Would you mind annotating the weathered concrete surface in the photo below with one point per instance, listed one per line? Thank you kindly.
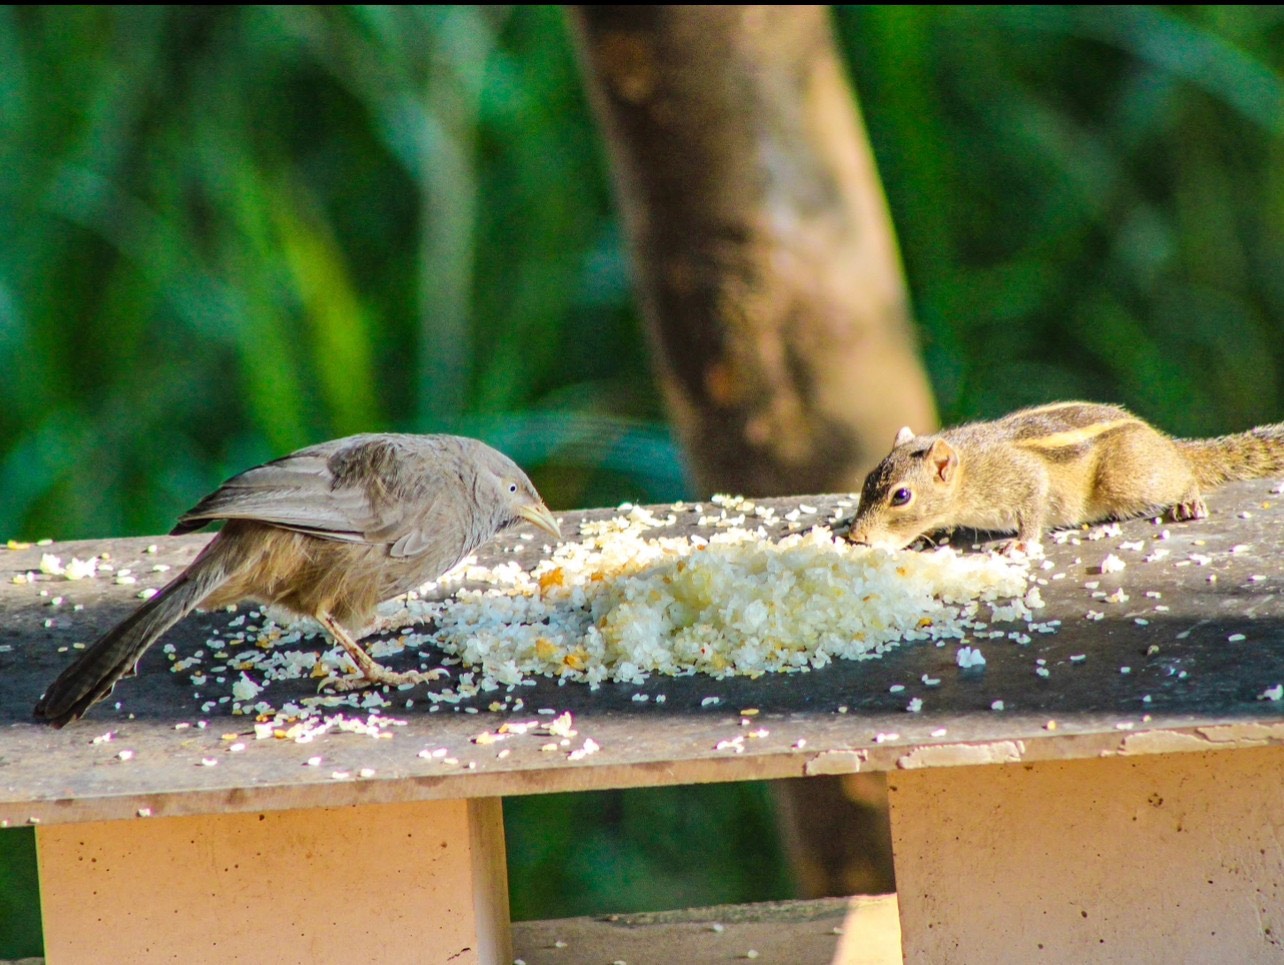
(1193, 684)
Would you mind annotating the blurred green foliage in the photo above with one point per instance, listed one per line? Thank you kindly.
(227, 232)
(649, 849)
(1090, 202)
(19, 902)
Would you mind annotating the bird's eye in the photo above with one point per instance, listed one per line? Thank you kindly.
(901, 497)
(512, 488)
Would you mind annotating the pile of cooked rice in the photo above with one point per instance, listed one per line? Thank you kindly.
(624, 602)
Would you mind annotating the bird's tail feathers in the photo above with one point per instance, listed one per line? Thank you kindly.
(113, 655)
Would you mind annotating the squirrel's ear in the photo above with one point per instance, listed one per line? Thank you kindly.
(944, 459)
(905, 435)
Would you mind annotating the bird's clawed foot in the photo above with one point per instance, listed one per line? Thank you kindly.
(371, 673)
(376, 675)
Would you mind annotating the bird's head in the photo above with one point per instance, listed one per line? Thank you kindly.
(514, 493)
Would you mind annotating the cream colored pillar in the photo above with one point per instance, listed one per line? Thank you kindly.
(414, 882)
(1162, 858)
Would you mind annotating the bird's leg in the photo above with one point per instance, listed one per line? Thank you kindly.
(394, 621)
(373, 673)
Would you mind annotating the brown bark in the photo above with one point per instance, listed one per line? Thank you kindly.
(769, 278)
(763, 252)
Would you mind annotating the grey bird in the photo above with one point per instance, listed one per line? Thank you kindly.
(328, 532)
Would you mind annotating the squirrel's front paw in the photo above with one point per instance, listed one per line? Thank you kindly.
(1191, 509)
(1027, 548)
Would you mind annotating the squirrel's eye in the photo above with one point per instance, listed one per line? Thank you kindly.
(901, 497)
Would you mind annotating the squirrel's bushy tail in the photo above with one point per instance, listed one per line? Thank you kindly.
(113, 655)
(1254, 454)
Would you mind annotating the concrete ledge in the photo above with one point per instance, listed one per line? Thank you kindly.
(831, 931)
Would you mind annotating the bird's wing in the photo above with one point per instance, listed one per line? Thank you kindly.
(361, 489)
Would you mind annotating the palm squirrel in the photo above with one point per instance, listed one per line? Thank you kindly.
(1052, 465)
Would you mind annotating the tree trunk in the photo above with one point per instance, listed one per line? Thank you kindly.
(768, 274)
(764, 256)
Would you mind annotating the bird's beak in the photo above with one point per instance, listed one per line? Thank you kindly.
(538, 514)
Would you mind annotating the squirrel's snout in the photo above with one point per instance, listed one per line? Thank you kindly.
(855, 534)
